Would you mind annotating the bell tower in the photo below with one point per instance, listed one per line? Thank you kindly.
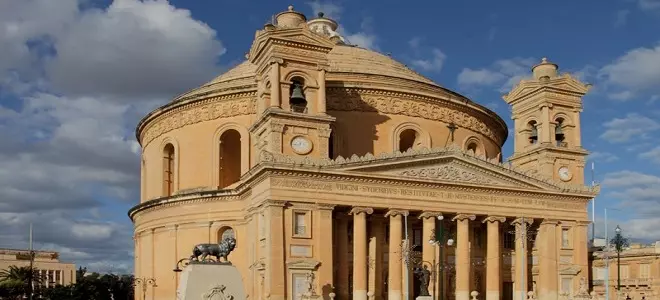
(546, 112)
(291, 59)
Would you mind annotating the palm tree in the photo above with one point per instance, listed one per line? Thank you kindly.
(16, 280)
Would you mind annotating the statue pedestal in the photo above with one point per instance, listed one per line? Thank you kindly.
(424, 298)
(211, 281)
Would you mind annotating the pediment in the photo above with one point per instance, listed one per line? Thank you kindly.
(301, 36)
(446, 169)
(564, 83)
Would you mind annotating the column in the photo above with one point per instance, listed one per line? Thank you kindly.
(548, 272)
(580, 252)
(520, 261)
(463, 263)
(493, 257)
(342, 258)
(275, 272)
(376, 242)
(575, 133)
(321, 104)
(545, 128)
(360, 251)
(395, 255)
(428, 249)
(324, 228)
(275, 88)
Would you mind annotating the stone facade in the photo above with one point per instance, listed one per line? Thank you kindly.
(640, 272)
(337, 193)
(52, 270)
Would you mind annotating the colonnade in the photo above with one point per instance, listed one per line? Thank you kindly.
(362, 284)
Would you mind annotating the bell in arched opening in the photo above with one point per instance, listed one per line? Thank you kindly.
(534, 135)
(559, 133)
(297, 100)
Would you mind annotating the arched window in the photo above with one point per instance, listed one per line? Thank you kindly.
(230, 158)
(559, 133)
(168, 170)
(297, 100)
(534, 133)
(472, 146)
(225, 232)
(408, 139)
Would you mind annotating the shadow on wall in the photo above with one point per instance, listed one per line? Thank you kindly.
(355, 128)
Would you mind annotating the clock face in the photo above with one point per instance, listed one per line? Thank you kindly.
(564, 174)
(301, 145)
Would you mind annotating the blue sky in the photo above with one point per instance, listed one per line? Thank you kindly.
(76, 76)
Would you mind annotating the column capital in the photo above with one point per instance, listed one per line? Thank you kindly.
(324, 206)
(583, 223)
(461, 217)
(519, 221)
(550, 222)
(429, 214)
(494, 219)
(322, 67)
(396, 212)
(358, 210)
(276, 60)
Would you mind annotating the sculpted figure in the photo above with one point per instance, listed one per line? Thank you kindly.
(424, 276)
(221, 250)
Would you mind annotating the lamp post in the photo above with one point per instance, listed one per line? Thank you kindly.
(144, 283)
(524, 236)
(619, 242)
(437, 239)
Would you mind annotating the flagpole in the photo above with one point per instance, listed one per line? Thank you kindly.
(607, 261)
(31, 281)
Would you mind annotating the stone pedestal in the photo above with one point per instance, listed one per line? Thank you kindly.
(213, 281)
(424, 298)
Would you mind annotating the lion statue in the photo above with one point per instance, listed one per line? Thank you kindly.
(221, 250)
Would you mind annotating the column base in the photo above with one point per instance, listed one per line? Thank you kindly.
(360, 295)
(424, 298)
(492, 295)
(462, 295)
(393, 295)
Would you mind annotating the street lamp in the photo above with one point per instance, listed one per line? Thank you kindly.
(619, 242)
(524, 235)
(437, 239)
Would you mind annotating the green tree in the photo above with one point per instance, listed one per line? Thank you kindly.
(14, 281)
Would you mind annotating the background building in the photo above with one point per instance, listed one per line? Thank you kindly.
(47, 262)
(321, 158)
(640, 271)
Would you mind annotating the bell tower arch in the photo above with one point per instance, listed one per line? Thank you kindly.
(291, 59)
(546, 112)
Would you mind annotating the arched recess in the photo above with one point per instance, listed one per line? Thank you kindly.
(531, 131)
(225, 232)
(171, 157)
(562, 130)
(310, 81)
(409, 135)
(228, 134)
(473, 143)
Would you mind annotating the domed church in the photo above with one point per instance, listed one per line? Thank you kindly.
(343, 174)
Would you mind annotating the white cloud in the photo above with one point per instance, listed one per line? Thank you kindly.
(364, 38)
(649, 5)
(329, 9)
(635, 191)
(619, 130)
(434, 64)
(502, 75)
(633, 73)
(68, 154)
(653, 155)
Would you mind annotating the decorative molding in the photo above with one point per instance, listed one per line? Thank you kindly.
(324, 206)
(359, 210)
(304, 264)
(429, 214)
(219, 291)
(398, 103)
(449, 173)
(462, 217)
(518, 221)
(493, 219)
(396, 212)
(220, 107)
(554, 222)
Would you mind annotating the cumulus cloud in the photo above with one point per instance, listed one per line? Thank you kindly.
(633, 73)
(602, 157)
(502, 75)
(70, 100)
(365, 37)
(619, 130)
(434, 63)
(635, 190)
(652, 155)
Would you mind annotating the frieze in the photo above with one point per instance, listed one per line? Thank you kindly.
(396, 103)
(392, 191)
(200, 113)
(449, 173)
(296, 52)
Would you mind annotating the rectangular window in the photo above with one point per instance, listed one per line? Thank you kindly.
(417, 237)
(299, 223)
(644, 270)
(57, 276)
(625, 272)
(565, 242)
